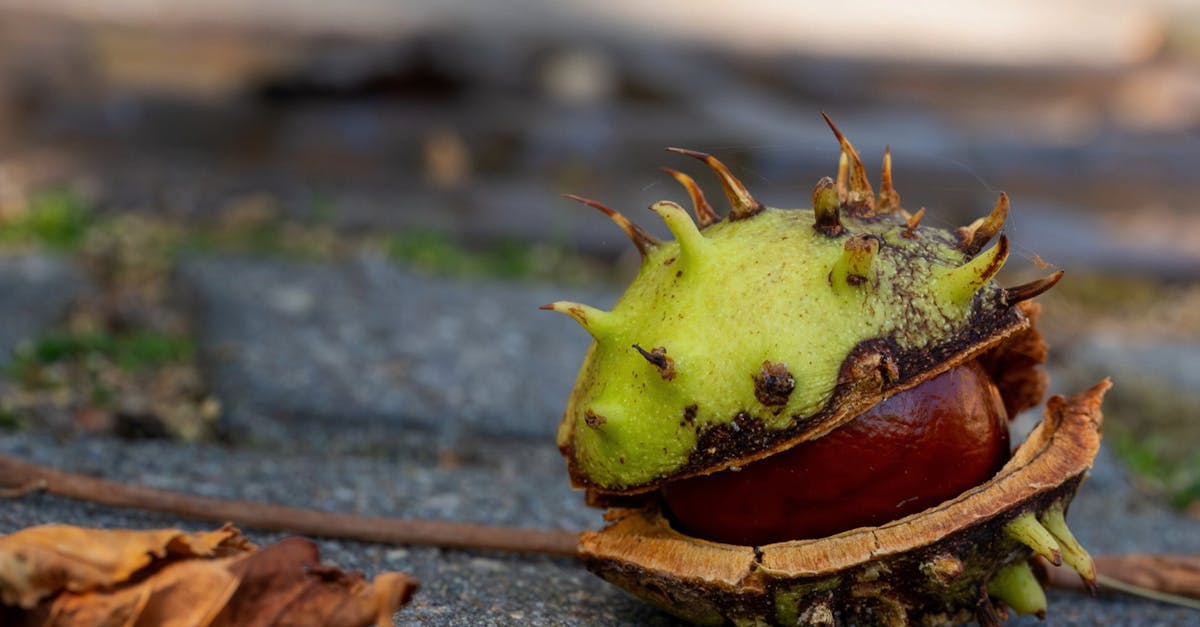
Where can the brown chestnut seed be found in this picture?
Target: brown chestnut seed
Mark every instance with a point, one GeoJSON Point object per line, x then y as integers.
{"type": "Point", "coordinates": [914, 450]}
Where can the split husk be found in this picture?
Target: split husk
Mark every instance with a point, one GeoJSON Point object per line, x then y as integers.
{"type": "Point", "coordinates": [930, 568]}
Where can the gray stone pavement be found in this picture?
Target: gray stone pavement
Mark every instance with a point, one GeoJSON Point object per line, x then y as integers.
{"type": "Point", "coordinates": [366, 343]}
{"type": "Point", "coordinates": [300, 355]}
{"type": "Point", "coordinates": [511, 483]}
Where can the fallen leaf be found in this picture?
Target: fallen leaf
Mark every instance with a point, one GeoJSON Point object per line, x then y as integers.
{"type": "Point", "coordinates": [62, 576]}
{"type": "Point", "coordinates": [40, 561]}
{"type": "Point", "coordinates": [284, 584]}
{"type": "Point", "coordinates": [1173, 574]}
{"type": "Point", "coordinates": [182, 594]}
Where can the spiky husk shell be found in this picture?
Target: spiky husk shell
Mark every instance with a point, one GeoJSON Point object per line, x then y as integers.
{"type": "Point", "coordinates": [770, 290]}
{"type": "Point", "coordinates": [773, 327]}
{"type": "Point", "coordinates": [964, 559]}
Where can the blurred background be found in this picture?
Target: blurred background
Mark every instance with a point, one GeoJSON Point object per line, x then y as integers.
{"type": "Point", "coordinates": [180, 183]}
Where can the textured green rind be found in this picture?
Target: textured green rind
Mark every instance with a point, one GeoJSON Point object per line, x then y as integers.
{"type": "Point", "coordinates": [758, 289]}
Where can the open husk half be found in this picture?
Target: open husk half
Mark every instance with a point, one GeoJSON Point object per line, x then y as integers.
{"type": "Point", "coordinates": [965, 559]}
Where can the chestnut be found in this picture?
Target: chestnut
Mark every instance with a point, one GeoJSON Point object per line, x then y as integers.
{"type": "Point", "coordinates": [913, 450]}
{"type": "Point", "coordinates": [800, 416]}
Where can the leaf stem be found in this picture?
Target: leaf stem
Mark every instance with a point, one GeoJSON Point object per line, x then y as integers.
{"type": "Point", "coordinates": [20, 476]}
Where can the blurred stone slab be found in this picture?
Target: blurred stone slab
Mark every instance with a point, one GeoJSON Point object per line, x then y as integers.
{"type": "Point", "coordinates": [35, 291]}
{"type": "Point", "coordinates": [1156, 391]}
{"type": "Point", "coordinates": [367, 344]}
{"type": "Point", "coordinates": [1110, 515]}
{"type": "Point", "coordinates": [1078, 241]}
{"type": "Point", "coordinates": [1169, 364]}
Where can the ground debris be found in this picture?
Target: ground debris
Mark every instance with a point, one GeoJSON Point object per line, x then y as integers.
{"type": "Point", "coordinates": [60, 575]}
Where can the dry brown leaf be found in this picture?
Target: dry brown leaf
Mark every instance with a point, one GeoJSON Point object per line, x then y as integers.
{"type": "Point", "coordinates": [1173, 574]}
{"type": "Point", "coordinates": [170, 578]}
{"type": "Point", "coordinates": [186, 593]}
{"type": "Point", "coordinates": [40, 561]}
{"type": "Point", "coordinates": [284, 584]}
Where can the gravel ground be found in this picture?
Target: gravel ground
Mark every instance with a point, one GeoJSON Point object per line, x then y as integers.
{"type": "Point", "coordinates": [518, 483]}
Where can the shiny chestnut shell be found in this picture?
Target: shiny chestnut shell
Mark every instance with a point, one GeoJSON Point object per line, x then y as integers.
{"type": "Point", "coordinates": [914, 450]}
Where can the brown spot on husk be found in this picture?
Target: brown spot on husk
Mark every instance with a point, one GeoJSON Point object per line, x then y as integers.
{"type": "Point", "coordinates": [944, 567]}
{"type": "Point", "coordinates": [723, 440]}
{"type": "Point", "coordinates": [870, 367]}
{"type": "Point", "coordinates": [773, 384]}
{"type": "Point", "coordinates": [659, 359]}
{"type": "Point", "coordinates": [593, 420]}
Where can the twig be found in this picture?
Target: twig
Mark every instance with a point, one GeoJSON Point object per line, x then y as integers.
{"type": "Point", "coordinates": [18, 474]}
{"type": "Point", "coordinates": [1148, 593]}
{"type": "Point", "coordinates": [23, 490]}
{"type": "Point", "coordinates": [1133, 574]}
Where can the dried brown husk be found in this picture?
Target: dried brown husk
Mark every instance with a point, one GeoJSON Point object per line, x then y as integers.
{"type": "Point", "coordinates": [929, 568]}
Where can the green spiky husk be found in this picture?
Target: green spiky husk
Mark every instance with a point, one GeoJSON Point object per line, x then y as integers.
{"type": "Point", "coordinates": [852, 325]}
